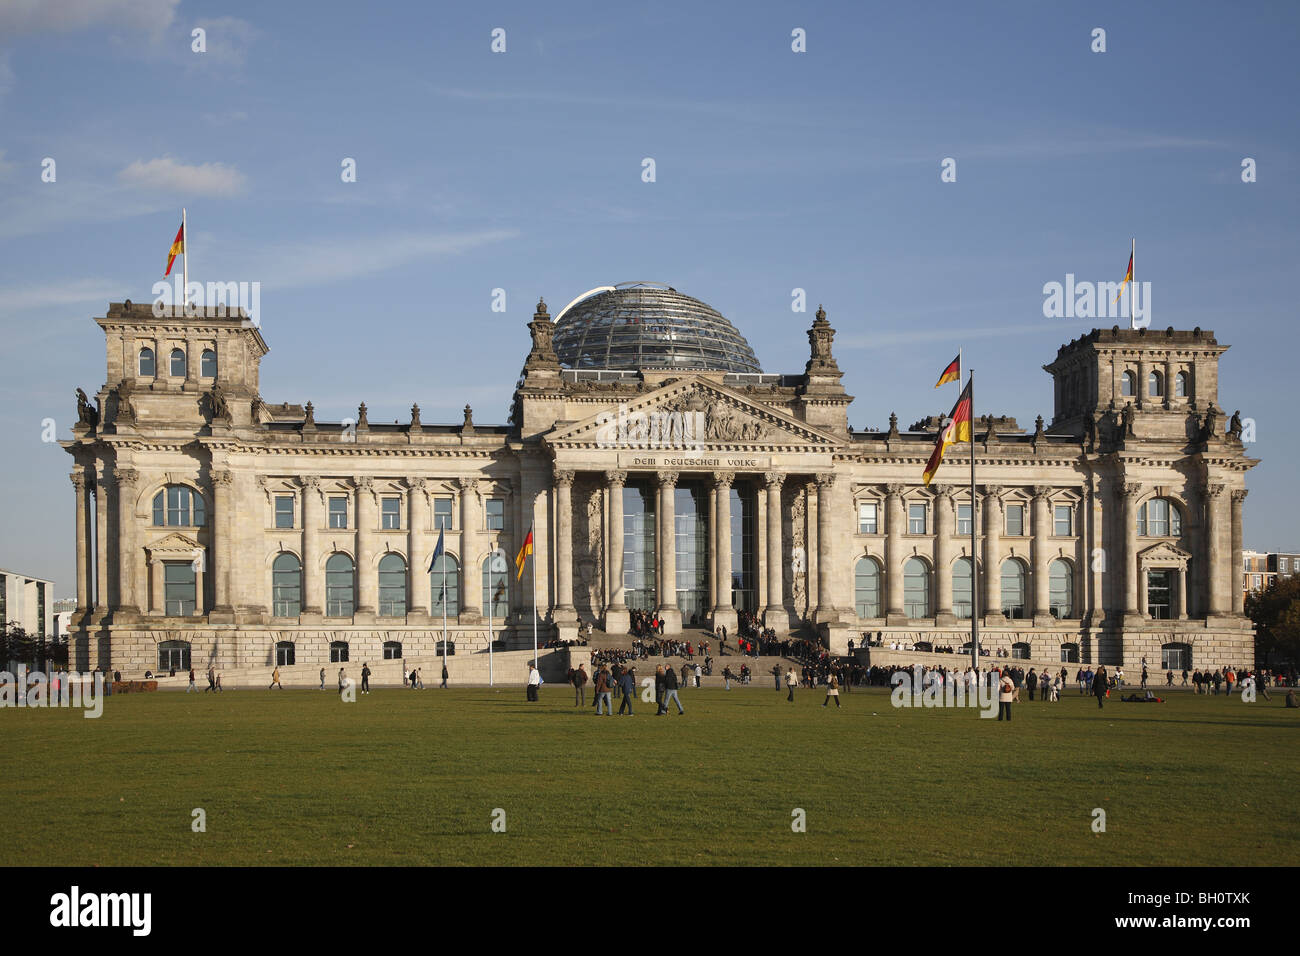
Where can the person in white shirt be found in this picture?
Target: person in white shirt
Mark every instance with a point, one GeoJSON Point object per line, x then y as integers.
{"type": "Point", "coordinates": [534, 681]}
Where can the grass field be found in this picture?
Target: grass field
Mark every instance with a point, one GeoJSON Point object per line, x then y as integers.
{"type": "Point", "coordinates": [402, 777]}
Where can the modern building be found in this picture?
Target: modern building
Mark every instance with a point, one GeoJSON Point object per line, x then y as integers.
{"type": "Point", "coordinates": [27, 601]}
{"type": "Point", "coordinates": [1260, 569]}
{"type": "Point", "coordinates": [660, 469]}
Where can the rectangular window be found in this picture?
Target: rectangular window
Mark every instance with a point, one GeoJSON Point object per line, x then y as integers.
{"type": "Point", "coordinates": [284, 511]}
{"type": "Point", "coordinates": [178, 587]}
{"type": "Point", "coordinates": [867, 517]}
{"type": "Point", "coordinates": [1282, 562]}
{"type": "Point", "coordinates": [391, 514]}
{"type": "Point", "coordinates": [963, 521]}
{"type": "Point", "coordinates": [1247, 564]}
{"type": "Point", "coordinates": [1160, 587]}
{"type": "Point", "coordinates": [496, 514]}
{"type": "Point", "coordinates": [1015, 520]}
{"type": "Point", "coordinates": [339, 512]}
{"type": "Point", "coordinates": [441, 513]}
{"type": "Point", "coordinates": [40, 609]}
{"type": "Point", "coordinates": [916, 519]}
{"type": "Point", "coordinates": [1064, 521]}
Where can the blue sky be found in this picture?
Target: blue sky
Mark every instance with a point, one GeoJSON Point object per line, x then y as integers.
{"type": "Point", "coordinates": [521, 170]}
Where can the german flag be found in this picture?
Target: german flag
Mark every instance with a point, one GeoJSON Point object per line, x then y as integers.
{"type": "Point", "coordinates": [524, 552]}
{"type": "Point", "coordinates": [1128, 277]}
{"type": "Point", "coordinates": [957, 430]}
{"type": "Point", "coordinates": [952, 373]}
{"type": "Point", "coordinates": [178, 248]}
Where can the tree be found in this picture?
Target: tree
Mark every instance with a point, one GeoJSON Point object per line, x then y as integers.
{"type": "Point", "coordinates": [1275, 612]}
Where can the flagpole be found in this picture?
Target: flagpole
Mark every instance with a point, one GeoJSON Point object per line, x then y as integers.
{"type": "Point", "coordinates": [974, 545]}
{"type": "Point", "coordinates": [534, 557]}
{"type": "Point", "coordinates": [491, 596]}
{"type": "Point", "coordinates": [1132, 318]}
{"type": "Point", "coordinates": [185, 263]}
{"type": "Point", "coordinates": [444, 611]}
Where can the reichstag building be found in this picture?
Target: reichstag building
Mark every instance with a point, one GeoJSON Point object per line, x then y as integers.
{"type": "Point", "coordinates": [660, 468]}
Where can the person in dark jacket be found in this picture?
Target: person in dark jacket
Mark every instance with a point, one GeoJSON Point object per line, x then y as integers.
{"type": "Point", "coordinates": [580, 687]}
{"type": "Point", "coordinates": [659, 690]}
{"type": "Point", "coordinates": [1032, 683]}
{"type": "Point", "coordinates": [670, 692]}
{"type": "Point", "coordinates": [1100, 685]}
{"type": "Point", "coordinates": [627, 684]}
{"type": "Point", "coordinates": [365, 678]}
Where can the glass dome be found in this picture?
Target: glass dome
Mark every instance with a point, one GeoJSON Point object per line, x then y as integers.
{"type": "Point", "coordinates": [640, 325]}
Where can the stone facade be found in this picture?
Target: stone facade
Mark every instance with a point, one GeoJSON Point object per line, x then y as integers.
{"type": "Point", "coordinates": [1114, 531]}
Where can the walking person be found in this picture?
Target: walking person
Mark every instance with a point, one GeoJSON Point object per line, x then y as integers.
{"type": "Point", "coordinates": [275, 679]}
{"type": "Point", "coordinates": [603, 687]}
{"type": "Point", "coordinates": [698, 674]}
{"type": "Point", "coordinates": [659, 689]}
{"type": "Point", "coordinates": [221, 690]}
{"type": "Point", "coordinates": [1006, 693]}
{"type": "Point", "coordinates": [212, 680]}
{"type": "Point", "coordinates": [627, 684]}
{"type": "Point", "coordinates": [832, 690]}
{"type": "Point", "coordinates": [580, 687]}
{"type": "Point", "coordinates": [534, 682]}
{"type": "Point", "coordinates": [419, 678]}
{"type": "Point", "coordinates": [322, 678]}
{"type": "Point", "coordinates": [670, 692]}
{"type": "Point", "coordinates": [1100, 686]}
{"type": "Point", "coordinates": [443, 685]}
{"type": "Point", "coordinates": [192, 687]}
{"type": "Point", "coordinates": [791, 681]}
{"type": "Point", "coordinates": [365, 677]}
{"type": "Point", "coordinates": [776, 677]}
{"type": "Point", "coordinates": [726, 677]}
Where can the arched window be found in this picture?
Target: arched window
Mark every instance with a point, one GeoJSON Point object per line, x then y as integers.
{"type": "Point", "coordinates": [178, 506]}
{"type": "Point", "coordinates": [174, 655]}
{"type": "Point", "coordinates": [284, 654]}
{"type": "Point", "coordinates": [1020, 651]}
{"type": "Point", "coordinates": [1180, 385]}
{"type": "Point", "coordinates": [392, 586]}
{"type": "Point", "coordinates": [286, 585]}
{"type": "Point", "coordinates": [208, 364]}
{"type": "Point", "coordinates": [1069, 653]}
{"type": "Point", "coordinates": [338, 652]}
{"type": "Point", "coordinates": [1013, 588]}
{"type": "Point", "coordinates": [1159, 518]}
{"type": "Point", "coordinates": [445, 579]}
{"type": "Point", "coordinates": [916, 588]}
{"type": "Point", "coordinates": [178, 363]}
{"type": "Point", "coordinates": [962, 604]}
{"type": "Point", "coordinates": [1155, 385]}
{"type": "Point", "coordinates": [1176, 657]}
{"type": "Point", "coordinates": [146, 363]}
{"type": "Point", "coordinates": [1128, 384]}
{"type": "Point", "coordinates": [1061, 588]}
{"type": "Point", "coordinates": [496, 586]}
{"type": "Point", "coordinates": [866, 587]}
{"type": "Point", "coordinates": [340, 586]}
{"type": "Point", "coordinates": [392, 650]}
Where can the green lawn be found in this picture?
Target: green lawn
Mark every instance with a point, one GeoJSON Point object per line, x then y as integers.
{"type": "Point", "coordinates": [404, 777]}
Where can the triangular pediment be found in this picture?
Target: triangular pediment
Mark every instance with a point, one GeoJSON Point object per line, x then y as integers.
{"type": "Point", "coordinates": [692, 413]}
{"type": "Point", "coordinates": [174, 544]}
{"type": "Point", "coordinates": [1163, 554]}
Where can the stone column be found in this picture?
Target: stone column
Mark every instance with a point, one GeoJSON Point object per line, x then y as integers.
{"type": "Point", "coordinates": [711, 562]}
{"type": "Point", "coordinates": [157, 602]}
{"type": "Point", "coordinates": [1144, 607]}
{"type": "Point", "coordinates": [1042, 517]}
{"type": "Point", "coordinates": [1238, 595]}
{"type": "Point", "coordinates": [417, 516]}
{"type": "Point", "coordinates": [1217, 554]}
{"type": "Point", "coordinates": [1180, 599]}
{"type": "Point", "coordinates": [992, 577]}
{"type": "Point", "coordinates": [1140, 393]}
{"type": "Point", "coordinates": [1132, 609]}
{"type": "Point", "coordinates": [128, 600]}
{"type": "Point", "coordinates": [102, 597]}
{"type": "Point", "coordinates": [723, 612]}
{"type": "Point", "coordinates": [775, 609]}
{"type": "Point", "coordinates": [943, 555]}
{"type": "Point", "coordinates": [895, 521]}
{"type": "Point", "coordinates": [83, 556]}
{"type": "Point", "coordinates": [666, 546]}
{"type": "Point", "coordinates": [313, 576]}
{"type": "Point", "coordinates": [200, 597]}
{"type": "Point", "coordinates": [222, 544]}
{"type": "Point", "coordinates": [471, 574]}
{"type": "Point", "coordinates": [564, 542]}
{"type": "Point", "coordinates": [1094, 607]}
{"type": "Point", "coordinates": [1169, 381]}
{"type": "Point", "coordinates": [825, 540]}
{"type": "Point", "coordinates": [367, 522]}
{"type": "Point", "coordinates": [617, 619]}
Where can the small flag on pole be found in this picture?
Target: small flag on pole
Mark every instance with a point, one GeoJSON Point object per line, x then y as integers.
{"type": "Point", "coordinates": [177, 249]}
{"type": "Point", "coordinates": [1128, 277]}
{"type": "Point", "coordinates": [957, 430]}
{"type": "Point", "coordinates": [952, 373]}
{"type": "Point", "coordinates": [524, 552]}
{"type": "Point", "coordinates": [437, 550]}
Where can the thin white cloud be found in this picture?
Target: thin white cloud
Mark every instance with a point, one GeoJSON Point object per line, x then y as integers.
{"type": "Point", "coordinates": [205, 179]}
{"type": "Point", "coordinates": [227, 40]}
{"type": "Point", "coordinates": [18, 17]}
